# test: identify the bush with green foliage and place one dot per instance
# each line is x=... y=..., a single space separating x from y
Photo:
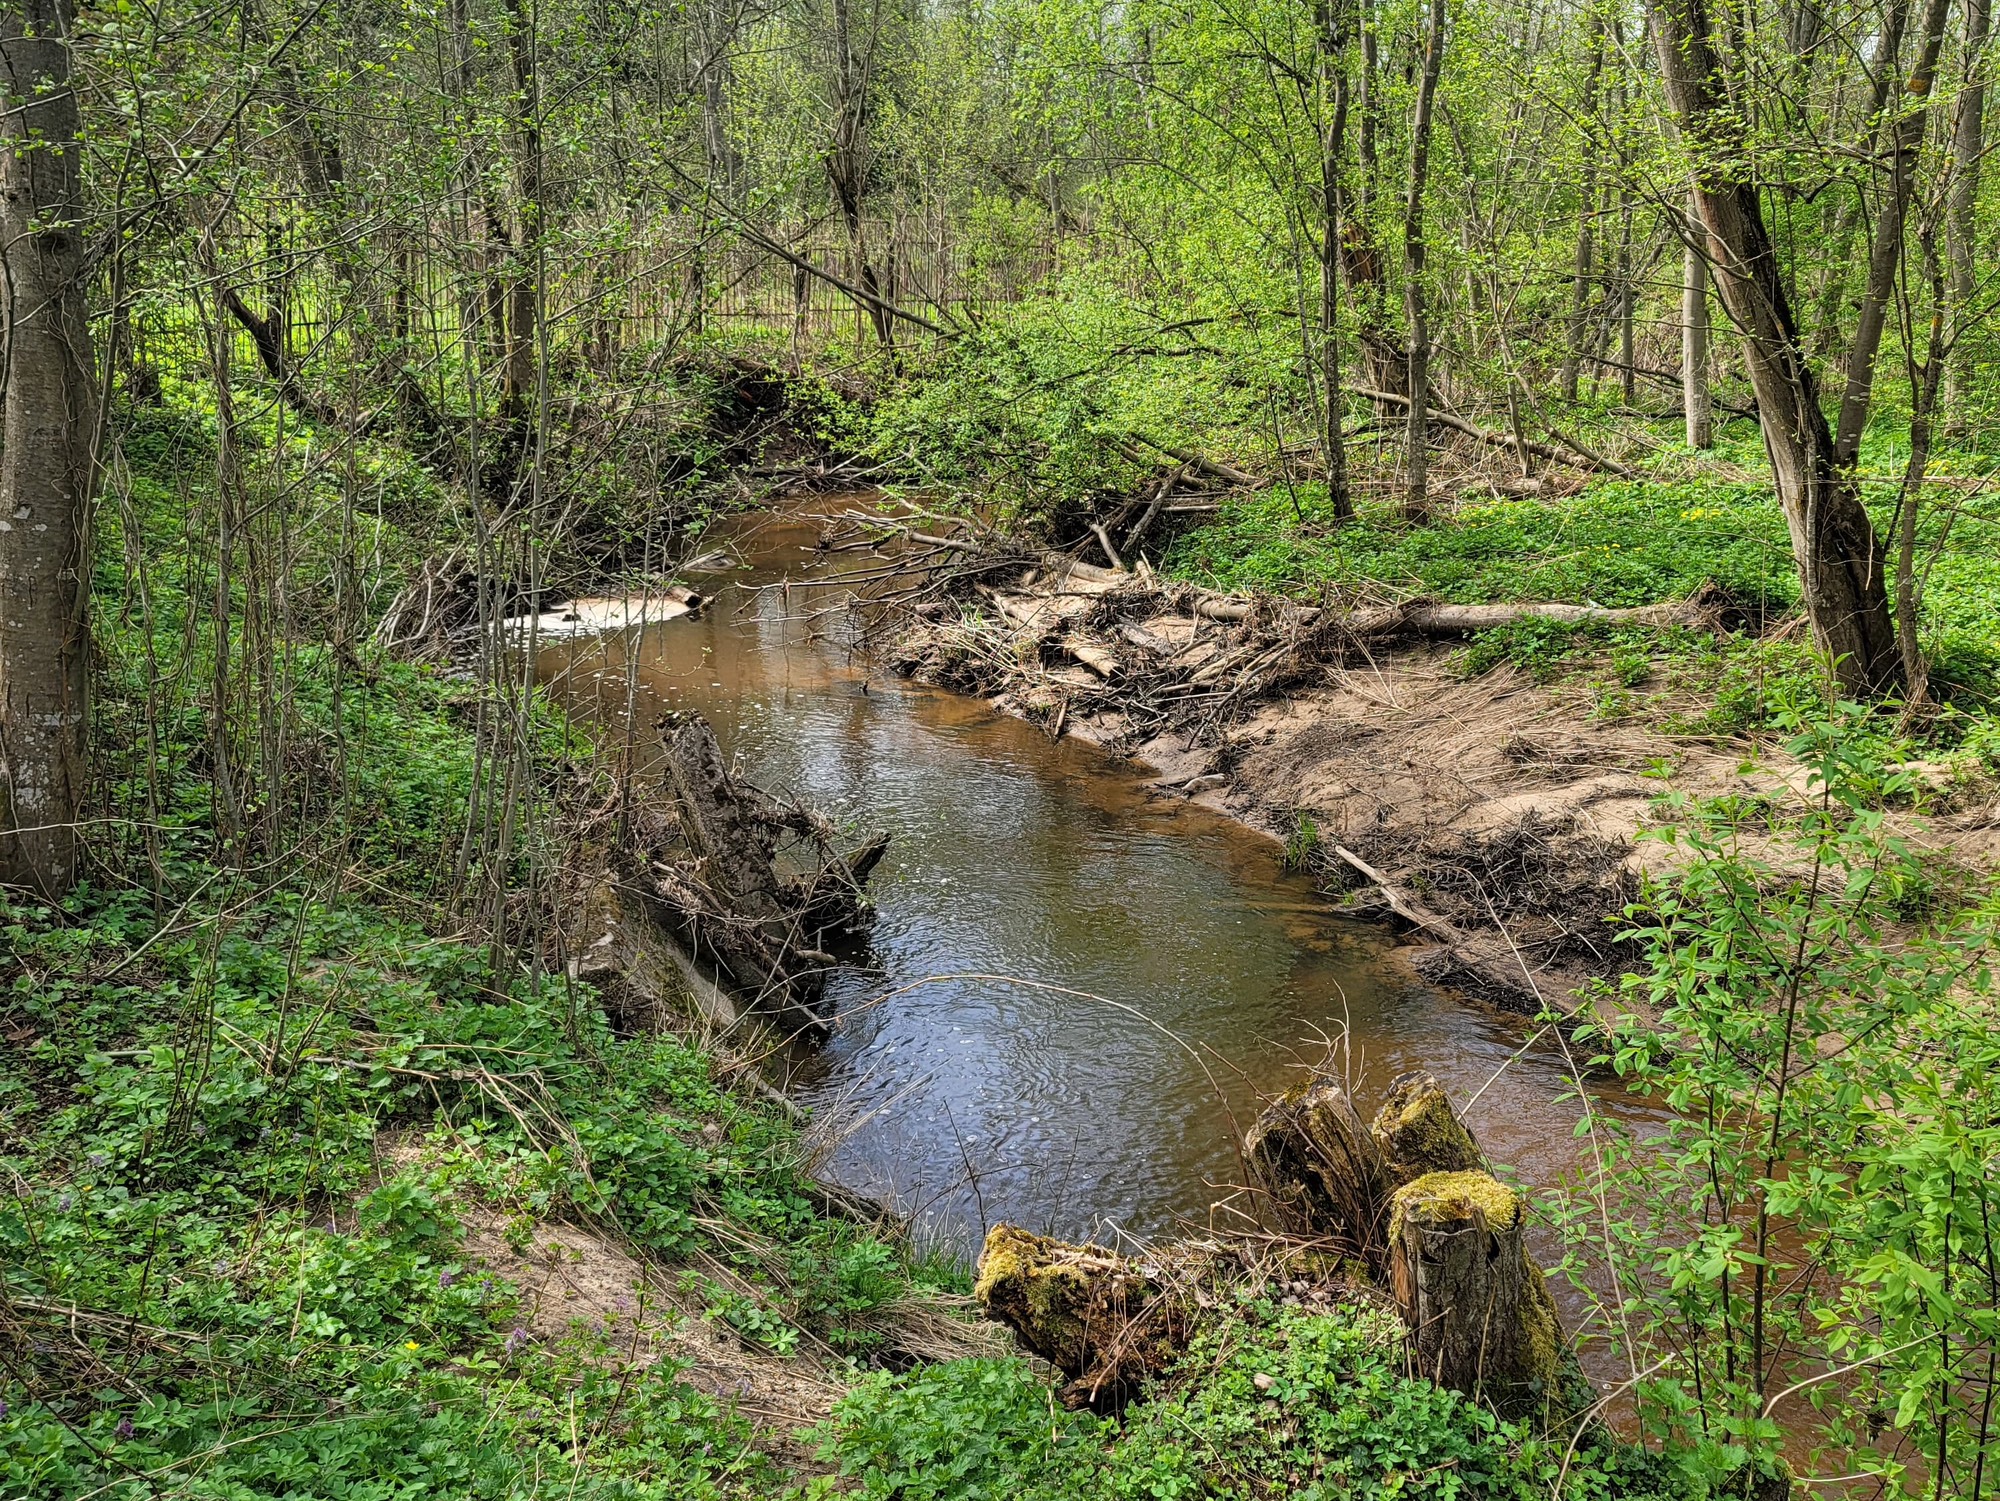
x=1808 y=1243
x=1268 y=1401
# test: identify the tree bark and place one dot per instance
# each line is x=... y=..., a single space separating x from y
x=1885 y=253
x=1417 y=503
x=1840 y=557
x=847 y=163
x=523 y=291
x=1698 y=407
x=1586 y=215
x=1481 y=1320
x=46 y=435
x=1968 y=139
x=1361 y=258
x=1333 y=106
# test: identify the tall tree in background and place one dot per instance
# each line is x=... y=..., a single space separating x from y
x=46 y=442
x=1415 y=252
x=1840 y=556
x=1332 y=33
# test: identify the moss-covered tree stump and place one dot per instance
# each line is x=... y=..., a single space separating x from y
x=1481 y=1320
x=1102 y=1320
x=1418 y=1131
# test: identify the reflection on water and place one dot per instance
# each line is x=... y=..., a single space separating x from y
x=1078 y=988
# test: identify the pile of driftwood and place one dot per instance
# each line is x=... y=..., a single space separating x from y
x=760 y=893
x=1070 y=639
x=1401 y=1212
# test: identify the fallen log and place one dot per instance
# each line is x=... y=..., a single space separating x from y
x=1095 y=657
x=1399 y=904
x=1104 y=541
x=1103 y=1321
x=1503 y=440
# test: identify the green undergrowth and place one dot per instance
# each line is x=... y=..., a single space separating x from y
x=1268 y=1401
x=220 y=1271
x=264 y=1085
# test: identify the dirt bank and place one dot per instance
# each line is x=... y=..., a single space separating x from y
x=1494 y=821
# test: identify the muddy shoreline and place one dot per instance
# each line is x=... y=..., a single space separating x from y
x=1492 y=822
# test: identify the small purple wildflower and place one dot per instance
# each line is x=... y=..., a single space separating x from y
x=63 y=1201
x=3 y=1407
x=447 y=1277
x=516 y=1341
x=124 y=1428
x=98 y=1159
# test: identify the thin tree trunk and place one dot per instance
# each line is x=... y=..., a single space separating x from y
x=1968 y=139
x=1825 y=331
x=1333 y=105
x=518 y=377
x=847 y=165
x=1697 y=405
x=46 y=431
x=1417 y=503
x=1586 y=215
x=1926 y=376
x=1362 y=261
x=1885 y=255
x=1839 y=555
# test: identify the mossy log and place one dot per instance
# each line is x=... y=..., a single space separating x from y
x=1481 y=1319
x=1323 y=1171
x=1419 y=1132
x=1104 y=1321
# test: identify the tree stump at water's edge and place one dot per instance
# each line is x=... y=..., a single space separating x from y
x=1323 y=1171
x=1481 y=1320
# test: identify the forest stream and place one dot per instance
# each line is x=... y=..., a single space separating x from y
x=1079 y=985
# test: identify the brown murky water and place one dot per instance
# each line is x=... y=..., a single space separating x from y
x=1078 y=988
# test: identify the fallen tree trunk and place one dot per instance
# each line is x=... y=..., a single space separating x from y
x=1103 y=1321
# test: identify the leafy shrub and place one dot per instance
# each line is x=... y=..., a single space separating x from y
x=1816 y=1015
x=1266 y=1402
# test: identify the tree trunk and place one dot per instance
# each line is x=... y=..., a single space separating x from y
x=1885 y=253
x=1361 y=258
x=1967 y=153
x=1333 y=106
x=46 y=433
x=523 y=293
x=1839 y=556
x=1586 y=214
x=1481 y=1320
x=1695 y=399
x=1417 y=504
x=1324 y=1173
x=847 y=165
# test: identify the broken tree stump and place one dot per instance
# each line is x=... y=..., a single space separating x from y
x=1323 y=1171
x=1102 y=1320
x=752 y=888
x=1480 y=1317
x=1418 y=1131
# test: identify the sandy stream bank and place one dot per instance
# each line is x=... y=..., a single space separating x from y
x=1493 y=820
